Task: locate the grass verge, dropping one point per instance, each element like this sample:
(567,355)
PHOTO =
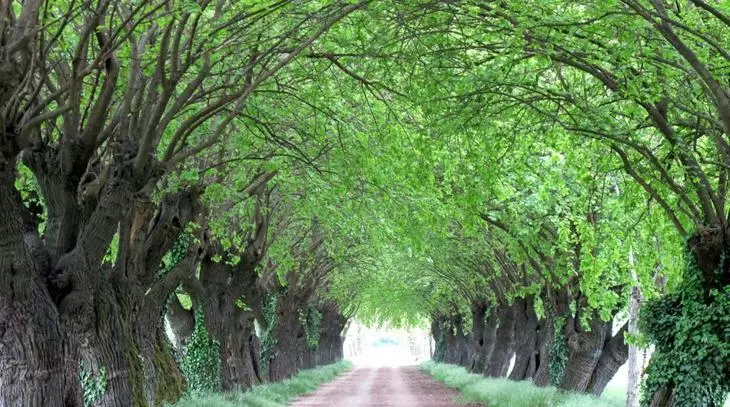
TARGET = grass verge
(507,393)
(271,394)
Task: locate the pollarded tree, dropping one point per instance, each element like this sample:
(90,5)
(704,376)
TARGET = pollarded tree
(32,340)
(227,282)
(304,270)
(116,96)
(646,79)
(572,266)
(333,323)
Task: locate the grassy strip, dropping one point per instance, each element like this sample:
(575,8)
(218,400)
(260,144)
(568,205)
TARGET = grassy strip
(507,393)
(272,394)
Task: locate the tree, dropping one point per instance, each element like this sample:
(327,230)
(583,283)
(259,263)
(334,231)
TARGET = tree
(148,86)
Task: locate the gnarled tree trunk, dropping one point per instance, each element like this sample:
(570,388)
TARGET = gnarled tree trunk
(557,307)
(457,342)
(503,345)
(240,353)
(181,321)
(32,347)
(478,341)
(219,289)
(288,332)
(546,336)
(584,352)
(526,339)
(332,324)
(614,354)
(438,332)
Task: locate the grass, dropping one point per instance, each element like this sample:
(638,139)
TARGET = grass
(507,393)
(270,395)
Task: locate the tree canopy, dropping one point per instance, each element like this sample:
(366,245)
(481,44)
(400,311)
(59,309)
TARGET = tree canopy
(255,174)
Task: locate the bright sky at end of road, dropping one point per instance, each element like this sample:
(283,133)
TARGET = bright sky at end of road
(386,347)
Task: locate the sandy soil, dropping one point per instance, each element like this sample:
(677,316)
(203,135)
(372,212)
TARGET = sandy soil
(381,387)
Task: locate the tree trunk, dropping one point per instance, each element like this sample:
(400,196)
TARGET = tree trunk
(556,303)
(181,321)
(451,355)
(478,340)
(490,337)
(663,398)
(287,332)
(329,350)
(680,349)
(239,353)
(332,324)
(457,343)
(584,352)
(32,345)
(32,358)
(503,346)
(526,340)
(219,290)
(91,334)
(103,346)
(438,331)
(306,354)
(169,383)
(613,356)
(148,348)
(112,313)
(546,337)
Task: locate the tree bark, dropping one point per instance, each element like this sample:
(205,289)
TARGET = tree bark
(220,288)
(503,345)
(240,353)
(32,344)
(584,352)
(614,354)
(546,336)
(663,398)
(120,331)
(556,302)
(457,342)
(287,332)
(332,324)
(181,321)
(102,344)
(479,345)
(438,331)
(93,328)
(526,340)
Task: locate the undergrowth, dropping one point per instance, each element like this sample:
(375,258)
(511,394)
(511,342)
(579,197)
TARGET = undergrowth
(272,394)
(508,393)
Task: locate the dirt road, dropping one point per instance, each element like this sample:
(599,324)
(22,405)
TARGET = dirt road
(385,386)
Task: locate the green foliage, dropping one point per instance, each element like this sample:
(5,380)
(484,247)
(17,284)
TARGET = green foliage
(448,155)
(93,385)
(270,395)
(507,393)
(558,352)
(176,253)
(268,340)
(311,321)
(201,362)
(690,331)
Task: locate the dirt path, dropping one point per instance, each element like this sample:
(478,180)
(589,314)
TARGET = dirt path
(381,387)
